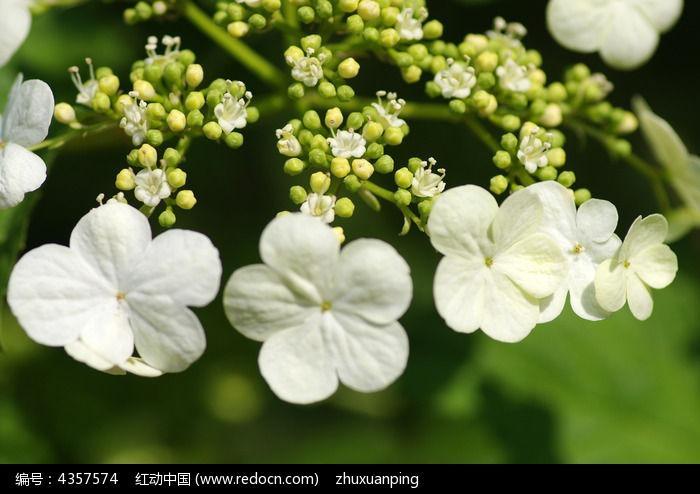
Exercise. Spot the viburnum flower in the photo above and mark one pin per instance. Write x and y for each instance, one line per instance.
(532, 152)
(513, 77)
(456, 81)
(151, 186)
(87, 89)
(347, 144)
(320, 206)
(426, 183)
(172, 50)
(323, 314)
(134, 121)
(232, 113)
(507, 33)
(287, 143)
(115, 290)
(587, 238)
(15, 22)
(625, 32)
(643, 262)
(409, 25)
(389, 112)
(307, 69)
(498, 264)
(26, 122)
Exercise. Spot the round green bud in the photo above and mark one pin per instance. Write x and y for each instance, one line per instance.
(311, 120)
(390, 15)
(546, 173)
(213, 98)
(172, 157)
(296, 90)
(320, 182)
(348, 68)
(317, 157)
(621, 147)
(348, 6)
(293, 53)
(415, 164)
(372, 131)
(177, 122)
(319, 141)
(369, 10)
(194, 101)
(432, 29)
(509, 142)
(393, 136)
(556, 157)
(557, 138)
(186, 57)
(148, 156)
(567, 179)
(153, 73)
(64, 113)
(101, 102)
(340, 167)
(212, 130)
(389, 37)
(130, 17)
(297, 194)
(177, 178)
(125, 179)
(253, 114)
(403, 197)
(556, 92)
(355, 24)
(306, 14)
(510, 123)
(334, 118)
(272, 5)
(438, 63)
(194, 75)
(418, 51)
(344, 207)
(311, 42)
(167, 218)
(143, 11)
(374, 151)
(411, 74)
(432, 89)
(384, 165)
(425, 207)
(345, 93)
(145, 90)
(371, 34)
(195, 118)
(458, 106)
(502, 159)
(154, 137)
(305, 137)
(352, 183)
(185, 199)
(294, 166)
(234, 140)
(579, 72)
(327, 90)
(257, 21)
(133, 157)
(235, 11)
(498, 185)
(109, 85)
(355, 120)
(362, 169)
(172, 74)
(582, 196)
(486, 80)
(487, 61)
(155, 112)
(403, 178)
(238, 29)
(324, 9)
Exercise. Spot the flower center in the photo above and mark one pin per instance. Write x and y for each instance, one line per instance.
(578, 249)
(121, 296)
(488, 261)
(326, 306)
(627, 264)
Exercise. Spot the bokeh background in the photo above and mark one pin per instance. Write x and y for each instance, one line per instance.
(616, 391)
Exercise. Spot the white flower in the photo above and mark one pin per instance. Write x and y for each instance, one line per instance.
(15, 22)
(497, 265)
(425, 182)
(642, 263)
(251, 3)
(115, 290)
(514, 77)
(288, 144)
(88, 89)
(307, 69)
(231, 113)
(408, 25)
(625, 32)
(587, 238)
(507, 33)
(151, 186)
(389, 112)
(320, 206)
(533, 151)
(323, 315)
(456, 81)
(172, 50)
(25, 123)
(134, 122)
(347, 144)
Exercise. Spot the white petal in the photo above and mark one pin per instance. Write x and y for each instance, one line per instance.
(656, 266)
(112, 238)
(27, 120)
(610, 285)
(460, 219)
(368, 358)
(644, 233)
(536, 264)
(54, 294)
(667, 146)
(597, 220)
(304, 251)
(15, 22)
(459, 292)
(552, 306)
(577, 24)
(600, 252)
(663, 14)
(168, 336)
(138, 367)
(372, 281)
(520, 215)
(181, 263)
(108, 333)
(582, 292)
(297, 364)
(630, 39)
(559, 211)
(509, 314)
(21, 171)
(258, 303)
(82, 353)
(639, 298)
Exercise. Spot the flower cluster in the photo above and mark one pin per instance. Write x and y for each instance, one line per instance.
(240, 17)
(146, 10)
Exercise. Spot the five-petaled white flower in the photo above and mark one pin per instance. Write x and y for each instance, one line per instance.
(172, 50)
(25, 123)
(625, 32)
(134, 121)
(409, 25)
(514, 77)
(287, 143)
(320, 206)
(587, 238)
(389, 112)
(323, 315)
(426, 183)
(643, 262)
(115, 289)
(498, 264)
(532, 152)
(232, 113)
(456, 81)
(86, 89)
(151, 186)
(15, 22)
(307, 69)
(347, 144)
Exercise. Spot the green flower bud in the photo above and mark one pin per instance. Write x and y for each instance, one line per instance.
(186, 57)
(369, 10)
(177, 178)
(253, 114)
(305, 137)
(487, 61)
(348, 6)
(552, 116)
(306, 14)
(257, 21)
(153, 73)
(311, 42)
(238, 29)
(557, 138)
(362, 169)
(627, 124)
(317, 157)
(324, 9)
(194, 75)
(234, 140)
(167, 218)
(437, 64)
(212, 130)
(425, 207)
(133, 157)
(498, 185)
(415, 164)
(352, 183)
(355, 120)
(194, 101)
(185, 199)
(326, 90)
(109, 85)
(567, 179)
(411, 74)
(145, 90)
(101, 102)
(502, 159)
(621, 147)
(510, 142)
(297, 194)
(432, 89)
(143, 11)
(213, 98)
(418, 51)
(393, 136)
(458, 106)
(486, 80)
(556, 157)
(177, 122)
(155, 112)
(556, 92)
(344, 207)
(296, 90)
(582, 196)
(311, 120)
(384, 165)
(148, 156)
(319, 142)
(403, 197)
(334, 118)
(371, 34)
(348, 68)
(340, 167)
(389, 37)
(293, 53)
(403, 178)
(172, 157)
(374, 151)
(130, 17)
(372, 131)
(578, 72)
(546, 173)
(125, 179)
(172, 74)
(432, 29)
(320, 182)
(64, 113)
(355, 24)
(272, 5)
(235, 12)
(294, 166)
(154, 137)
(510, 123)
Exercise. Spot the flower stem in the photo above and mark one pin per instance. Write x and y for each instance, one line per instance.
(63, 139)
(257, 64)
(388, 196)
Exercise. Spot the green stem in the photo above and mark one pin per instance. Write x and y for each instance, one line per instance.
(388, 196)
(63, 139)
(236, 48)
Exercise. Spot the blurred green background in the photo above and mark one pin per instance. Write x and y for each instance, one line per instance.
(617, 391)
